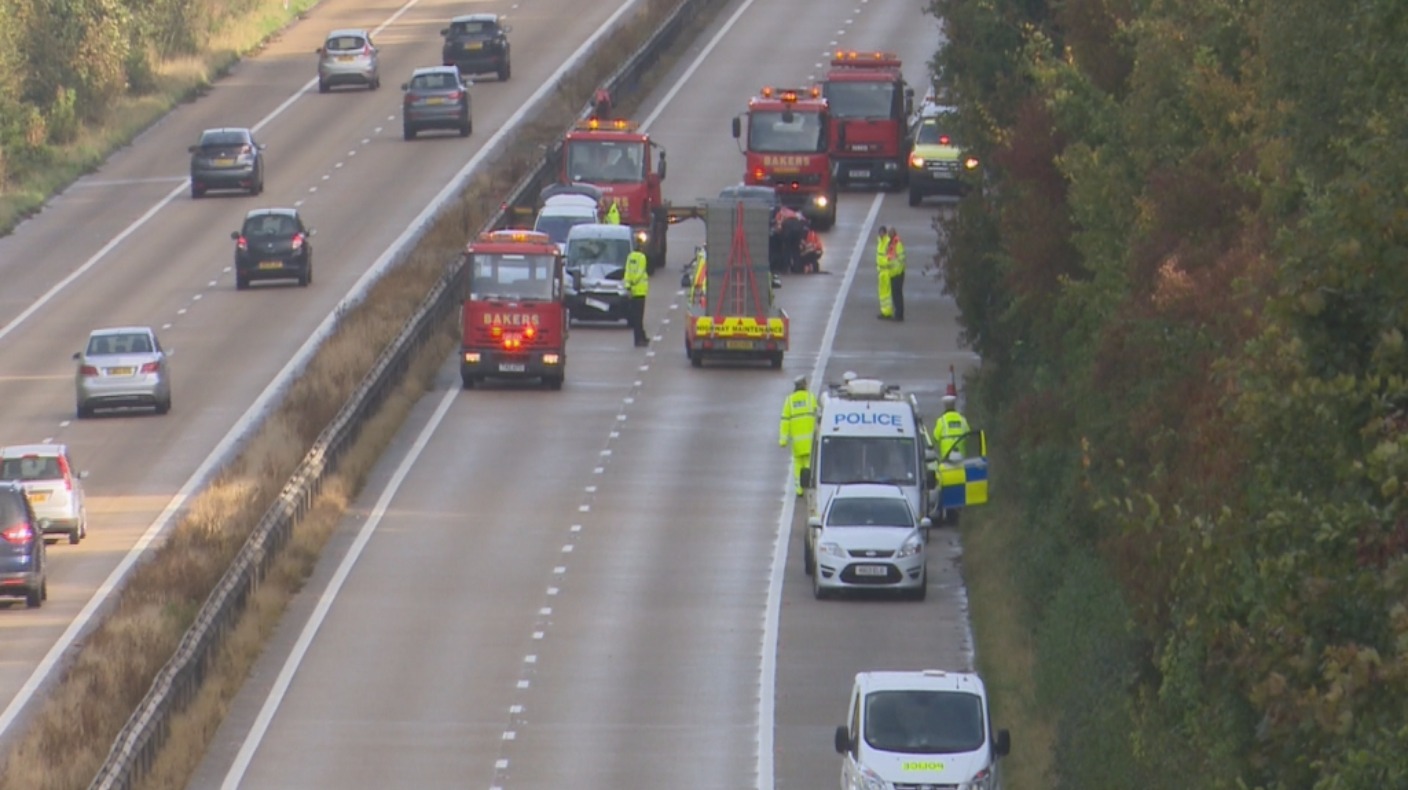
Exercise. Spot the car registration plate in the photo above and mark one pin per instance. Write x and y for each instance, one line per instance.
(597, 304)
(271, 264)
(871, 570)
(121, 371)
(346, 58)
(860, 173)
(434, 100)
(739, 345)
(35, 497)
(224, 162)
(474, 45)
(512, 367)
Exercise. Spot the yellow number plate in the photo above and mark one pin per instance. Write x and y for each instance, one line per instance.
(435, 100)
(121, 371)
(36, 497)
(474, 45)
(271, 265)
(224, 162)
(739, 345)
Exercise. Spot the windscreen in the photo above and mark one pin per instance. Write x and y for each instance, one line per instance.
(791, 132)
(869, 512)
(924, 722)
(862, 99)
(514, 277)
(868, 459)
(606, 161)
(584, 251)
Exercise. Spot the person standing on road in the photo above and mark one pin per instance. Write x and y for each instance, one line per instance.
(637, 281)
(951, 429)
(894, 253)
(797, 426)
(613, 214)
(882, 270)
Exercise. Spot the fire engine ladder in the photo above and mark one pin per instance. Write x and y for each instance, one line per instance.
(739, 278)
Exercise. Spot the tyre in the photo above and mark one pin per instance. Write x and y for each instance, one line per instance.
(818, 592)
(84, 411)
(375, 83)
(467, 381)
(74, 537)
(408, 132)
(323, 87)
(808, 561)
(696, 359)
(553, 382)
(83, 528)
(197, 191)
(34, 598)
(306, 276)
(915, 198)
(241, 282)
(922, 591)
(466, 128)
(164, 407)
(776, 360)
(505, 70)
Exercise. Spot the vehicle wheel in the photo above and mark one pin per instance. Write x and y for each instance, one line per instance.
(696, 359)
(505, 70)
(306, 277)
(75, 536)
(818, 592)
(467, 381)
(84, 412)
(376, 83)
(922, 591)
(163, 407)
(323, 87)
(914, 197)
(33, 598)
(553, 382)
(197, 191)
(83, 529)
(776, 360)
(808, 561)
(44, 589)
(241, 282)
(408, 132)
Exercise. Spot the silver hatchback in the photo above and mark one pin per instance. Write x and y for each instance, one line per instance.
(51, 483)
(348, 57)
(122, 366)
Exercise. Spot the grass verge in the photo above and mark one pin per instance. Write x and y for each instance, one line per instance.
(72, 732)
(175, 81)
(1007, 652)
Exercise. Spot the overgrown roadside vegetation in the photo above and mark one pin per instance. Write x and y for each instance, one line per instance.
(114, 668)
(1186, 282)
(81, 78)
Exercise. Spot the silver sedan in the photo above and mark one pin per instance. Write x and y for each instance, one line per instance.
(122, 366)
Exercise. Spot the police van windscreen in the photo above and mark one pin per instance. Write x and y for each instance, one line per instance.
(791, 132)
(862, 99)
(518, 277)
(924, 722)
(606, 161)
(868, 459)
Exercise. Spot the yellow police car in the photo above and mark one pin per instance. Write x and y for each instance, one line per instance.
(937, 165)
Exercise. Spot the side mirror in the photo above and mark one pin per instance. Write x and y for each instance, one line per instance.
(737, 128)
(234, 234)
(814, 521)
(806, 477)
(926, 522)
(319, 50)
(261, 146)
(44, 525)
(312, 231)
(78, 355)
(1002, 746)
(83, 475)
(405, 86)
(661, 167)
(508, 28)
(843, 740)
(192, 148)
(444, 31)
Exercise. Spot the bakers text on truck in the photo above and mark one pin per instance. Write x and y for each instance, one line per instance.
(786, 148)
(514, 317)
(870, 107)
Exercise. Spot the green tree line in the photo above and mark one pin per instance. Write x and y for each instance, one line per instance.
(1187, 276)
(63, 63)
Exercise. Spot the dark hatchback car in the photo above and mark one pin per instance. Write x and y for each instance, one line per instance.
(436, 98)
(23, 566)
(273, 244)
(477, 44)
(227, 159)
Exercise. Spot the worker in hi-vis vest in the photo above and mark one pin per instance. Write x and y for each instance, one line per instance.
(798, 425)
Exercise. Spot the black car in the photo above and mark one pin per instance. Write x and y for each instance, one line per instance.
(23, 568)
(435, 98)
(477, 44)
(273, 244)
(228, 158)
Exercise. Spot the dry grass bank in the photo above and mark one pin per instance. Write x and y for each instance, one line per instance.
(112, 670)
(175, 81)
(1006, 648)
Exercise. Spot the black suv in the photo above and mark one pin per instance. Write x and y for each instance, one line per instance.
(477, 44)
(23, 567)
(273, 244)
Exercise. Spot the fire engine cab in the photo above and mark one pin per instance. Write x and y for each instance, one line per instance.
(786, 148)
(514, 317)
(616, 157)
(870, 109)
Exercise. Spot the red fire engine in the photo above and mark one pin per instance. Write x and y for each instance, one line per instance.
(786, 149)
(870, 108)
(515, 319)
(615, 156)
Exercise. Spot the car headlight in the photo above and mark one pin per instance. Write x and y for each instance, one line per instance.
(912, 546)
(642, 236)
(916, 161)
(869, 780)
(831, 549)
(822, 201)
(971, 163)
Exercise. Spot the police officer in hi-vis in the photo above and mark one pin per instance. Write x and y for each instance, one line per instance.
(797, 426)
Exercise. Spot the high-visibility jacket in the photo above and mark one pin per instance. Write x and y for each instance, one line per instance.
(613, 214)
(882, 249)
(698, 287)
(637, 278)
(894, 252)
(949, 431)
(798, 422)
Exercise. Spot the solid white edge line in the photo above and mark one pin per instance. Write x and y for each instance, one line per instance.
(255, 412)
(255, 736)
(772, 614)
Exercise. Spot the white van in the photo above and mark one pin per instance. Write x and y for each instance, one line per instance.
(867, 432)
(920, 729)
(560, 213)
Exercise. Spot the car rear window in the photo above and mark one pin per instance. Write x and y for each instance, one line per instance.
(223, 138)
(345, 43)
(101, 345)
(31, 467)
(471, 28)
(434, 82)
(270, 225)
(12, 510)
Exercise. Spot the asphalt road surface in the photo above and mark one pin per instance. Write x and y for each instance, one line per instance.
(127, 245)
(586, 588)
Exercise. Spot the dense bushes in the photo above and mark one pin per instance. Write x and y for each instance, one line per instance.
(1187, 282)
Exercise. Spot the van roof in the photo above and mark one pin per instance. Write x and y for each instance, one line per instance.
(599, 230)
(920, 680)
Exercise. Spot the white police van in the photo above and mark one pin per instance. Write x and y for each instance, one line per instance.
(867, 432)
